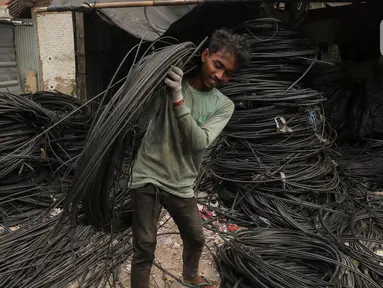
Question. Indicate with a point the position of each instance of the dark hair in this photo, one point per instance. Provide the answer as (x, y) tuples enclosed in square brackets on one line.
[(224, 39)]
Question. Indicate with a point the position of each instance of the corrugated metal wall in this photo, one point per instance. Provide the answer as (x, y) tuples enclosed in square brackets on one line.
[(26, 50), (9, 80)]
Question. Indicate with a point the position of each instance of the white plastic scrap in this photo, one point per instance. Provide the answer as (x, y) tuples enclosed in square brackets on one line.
[(283, 177), (283, 127)]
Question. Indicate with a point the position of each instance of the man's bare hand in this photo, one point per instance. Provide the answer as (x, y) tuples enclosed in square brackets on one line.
[(174, 82)]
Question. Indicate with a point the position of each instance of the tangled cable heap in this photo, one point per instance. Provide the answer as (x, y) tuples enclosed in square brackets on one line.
[(51, 255), (41, 137), (280, 258), (34, 163), (274, 168)]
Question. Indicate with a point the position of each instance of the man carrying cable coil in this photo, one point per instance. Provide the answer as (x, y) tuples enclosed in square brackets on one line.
[(171, 152)]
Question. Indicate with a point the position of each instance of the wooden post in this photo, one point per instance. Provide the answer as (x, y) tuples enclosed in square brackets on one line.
[(79, 48), (142, 3), (30, 82)]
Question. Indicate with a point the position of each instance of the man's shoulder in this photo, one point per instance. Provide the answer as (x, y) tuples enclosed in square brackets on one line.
[(224, 105), (223, 99)]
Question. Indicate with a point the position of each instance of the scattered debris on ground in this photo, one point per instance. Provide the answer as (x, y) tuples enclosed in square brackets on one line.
[(169, 256)]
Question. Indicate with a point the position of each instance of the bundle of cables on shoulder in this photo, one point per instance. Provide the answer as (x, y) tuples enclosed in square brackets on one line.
[(113, 136), (62, 160)]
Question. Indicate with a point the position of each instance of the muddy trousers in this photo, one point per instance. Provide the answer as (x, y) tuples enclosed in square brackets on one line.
[(147, 202)]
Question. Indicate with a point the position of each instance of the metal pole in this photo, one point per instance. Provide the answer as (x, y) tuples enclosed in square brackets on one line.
[(143, 3)]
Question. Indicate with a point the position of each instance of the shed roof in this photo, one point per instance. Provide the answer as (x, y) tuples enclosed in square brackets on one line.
[(138, 21)]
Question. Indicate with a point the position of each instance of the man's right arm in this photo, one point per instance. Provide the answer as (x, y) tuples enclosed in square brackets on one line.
[(200, 138)]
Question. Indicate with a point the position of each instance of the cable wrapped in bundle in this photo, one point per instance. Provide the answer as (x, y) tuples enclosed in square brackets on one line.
[(284, 258), (99, 167)]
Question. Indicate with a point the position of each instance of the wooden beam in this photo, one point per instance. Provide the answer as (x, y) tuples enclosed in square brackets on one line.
[(143, 3), (79, 47)]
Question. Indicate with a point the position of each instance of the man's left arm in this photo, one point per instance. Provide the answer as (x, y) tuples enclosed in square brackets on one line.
[(198, 137)]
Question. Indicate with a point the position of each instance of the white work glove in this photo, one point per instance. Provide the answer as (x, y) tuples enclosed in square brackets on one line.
[(174, 82)]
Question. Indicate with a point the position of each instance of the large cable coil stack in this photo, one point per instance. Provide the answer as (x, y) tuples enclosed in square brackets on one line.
[(275, 171), (274, 165)]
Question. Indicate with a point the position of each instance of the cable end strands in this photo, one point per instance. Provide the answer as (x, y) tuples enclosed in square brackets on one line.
[(100, 166)]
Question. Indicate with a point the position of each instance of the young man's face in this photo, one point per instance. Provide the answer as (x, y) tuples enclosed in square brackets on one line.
[(217, 68)]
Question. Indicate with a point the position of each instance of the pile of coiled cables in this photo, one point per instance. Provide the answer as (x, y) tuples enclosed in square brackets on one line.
[(276, 168), (273, 164), (35, 164), (265, 257), (273, 168), (42, 137), (357, 232)]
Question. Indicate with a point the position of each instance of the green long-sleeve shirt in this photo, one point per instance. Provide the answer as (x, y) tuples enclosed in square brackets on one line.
[(172, 149)]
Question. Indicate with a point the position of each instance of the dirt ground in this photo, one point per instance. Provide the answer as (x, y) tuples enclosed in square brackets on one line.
[(169, 256)]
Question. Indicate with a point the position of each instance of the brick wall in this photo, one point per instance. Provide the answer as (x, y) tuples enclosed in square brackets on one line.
[(55, 41), (4, 13)]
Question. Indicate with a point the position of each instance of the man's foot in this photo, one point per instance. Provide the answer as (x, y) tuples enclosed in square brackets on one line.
[(201, 282)]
